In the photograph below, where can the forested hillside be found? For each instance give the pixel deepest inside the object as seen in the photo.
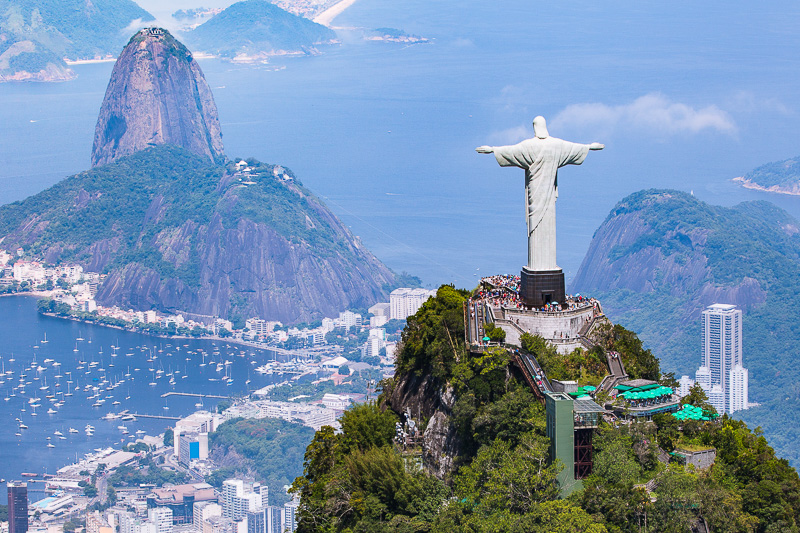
(476, 410)
(36, 35)
(662, 256)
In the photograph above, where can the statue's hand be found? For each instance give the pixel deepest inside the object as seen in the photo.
(484, 149)
(596, 146)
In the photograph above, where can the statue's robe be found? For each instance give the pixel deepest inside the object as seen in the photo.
(541, 159)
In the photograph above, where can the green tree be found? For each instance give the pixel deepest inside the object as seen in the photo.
(667, 431)
(697, 397)
(615, 461)
(511, 479)
(169, 437)
(365, 426)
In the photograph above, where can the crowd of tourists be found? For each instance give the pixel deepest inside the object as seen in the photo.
(502, 281)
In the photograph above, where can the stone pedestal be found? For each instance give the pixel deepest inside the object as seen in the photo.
(538, 288)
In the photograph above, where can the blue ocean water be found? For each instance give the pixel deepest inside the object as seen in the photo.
(685, 95)
(385, 132)
(66, 360)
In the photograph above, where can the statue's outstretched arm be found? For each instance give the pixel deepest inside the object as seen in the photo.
(484, 149)
(596, 146)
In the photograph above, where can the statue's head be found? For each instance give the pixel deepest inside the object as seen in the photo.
(540, 127)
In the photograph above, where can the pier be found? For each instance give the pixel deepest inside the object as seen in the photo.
(161, 417)
(195, 395)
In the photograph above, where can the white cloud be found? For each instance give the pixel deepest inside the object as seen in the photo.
(652, 112)
(133, 27)
(748, 102)
(510, 135)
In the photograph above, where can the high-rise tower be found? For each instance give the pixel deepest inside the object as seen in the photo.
(721, 366)
(17, 507)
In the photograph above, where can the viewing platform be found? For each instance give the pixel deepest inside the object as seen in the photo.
(567, 325)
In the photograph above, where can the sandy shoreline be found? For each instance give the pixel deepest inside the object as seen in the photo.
(747, 184)
(90, 61)
(326, 17)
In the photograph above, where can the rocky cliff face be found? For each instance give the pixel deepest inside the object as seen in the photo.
(157, 95)
(178, 228)
(177, 233)
(667, 243)
(425, 399)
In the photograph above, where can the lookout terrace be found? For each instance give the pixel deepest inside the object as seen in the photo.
(566, 324)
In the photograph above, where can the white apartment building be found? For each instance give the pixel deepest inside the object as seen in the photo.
(722, 352)
(378, 321)
(240, 497)
(290, 516)
(738, 383)
(202, 511)
(161, 517)
(404, 302)
(703, 377)
(684, 384)
(348, 319)
(197, 422)
(134, 524)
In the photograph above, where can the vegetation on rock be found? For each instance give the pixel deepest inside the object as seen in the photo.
(269, 450)
(364, 480)
(174, 231)
(662, 256)
(256, 27)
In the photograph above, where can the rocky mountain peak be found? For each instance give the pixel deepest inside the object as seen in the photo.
(157, 95)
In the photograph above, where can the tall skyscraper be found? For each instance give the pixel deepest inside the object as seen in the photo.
(722, 353)
(17, 507)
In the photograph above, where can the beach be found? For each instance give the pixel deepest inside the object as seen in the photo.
(326, 17)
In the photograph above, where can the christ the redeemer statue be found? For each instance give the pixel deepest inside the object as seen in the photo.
(541, 157)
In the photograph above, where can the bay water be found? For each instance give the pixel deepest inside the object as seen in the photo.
(684, 95)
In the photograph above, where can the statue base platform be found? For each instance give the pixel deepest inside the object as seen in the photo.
(539, 288)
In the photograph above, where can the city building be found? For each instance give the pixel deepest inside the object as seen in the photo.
(161, 517)
(703, 378)
(192, 446)
(240, 496)
(132, 524)
(290, 515)
(404, 302)
(197, 422)
(383, 309)
(737, 397)
(203, 511)
(348, 319)
(722, 352)
(181, 499)
(273, 519)
(96, 523)
(17, 507)
(257, 521)
(684, 384)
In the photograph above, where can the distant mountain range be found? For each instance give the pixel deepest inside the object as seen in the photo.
(178, 227)
(661, 256)
(257, 29)
(37, 36)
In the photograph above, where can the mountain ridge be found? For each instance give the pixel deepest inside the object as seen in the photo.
(37, 35)
(662, 256)
(176, 232)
